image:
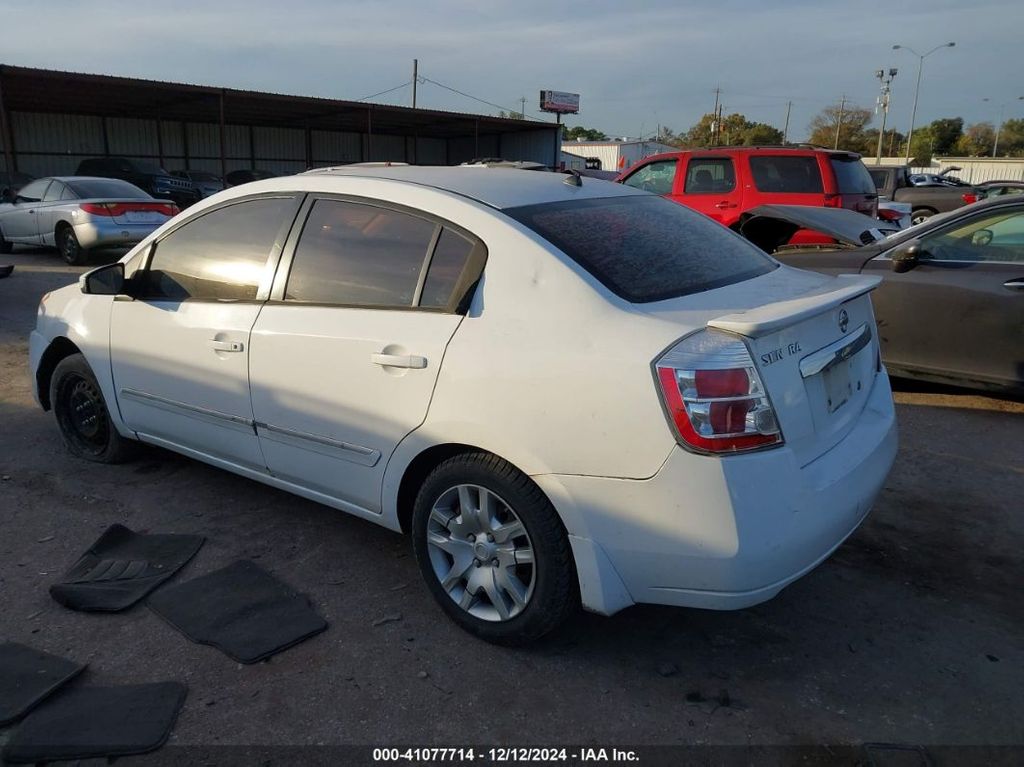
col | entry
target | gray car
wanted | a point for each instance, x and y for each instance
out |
(206, 183)
(77, 214)
(951, 302)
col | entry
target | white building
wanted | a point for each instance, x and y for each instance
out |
(610, 155)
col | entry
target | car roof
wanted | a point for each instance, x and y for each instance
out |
(496, 187)
(104, 179)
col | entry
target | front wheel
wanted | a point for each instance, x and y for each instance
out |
(82, 415)
(5, 245)
(493, 550)
(67, 243)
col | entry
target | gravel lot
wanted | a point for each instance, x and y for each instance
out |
(912, 633)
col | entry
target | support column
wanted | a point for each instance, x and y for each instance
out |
(223, 157)
(7, 131)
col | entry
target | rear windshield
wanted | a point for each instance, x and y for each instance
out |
(786, 174)
(107, 187)
(851, 176)
(645, 248)
(879, 178)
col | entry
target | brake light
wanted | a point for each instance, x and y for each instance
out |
(833, 200)
(969, 197)
(714, 397)
(114, 209)
(886, 214)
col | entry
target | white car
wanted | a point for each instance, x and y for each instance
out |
(565, 391)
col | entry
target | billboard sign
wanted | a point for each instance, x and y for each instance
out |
(560, 102)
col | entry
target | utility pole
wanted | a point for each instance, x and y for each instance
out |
(883, 103)
(785, 131)
(522, 107)
(715, 127)
(415, 79)
(839, 122)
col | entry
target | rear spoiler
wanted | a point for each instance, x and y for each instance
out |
(772, 317)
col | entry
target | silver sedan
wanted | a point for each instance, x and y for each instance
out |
(77, 214)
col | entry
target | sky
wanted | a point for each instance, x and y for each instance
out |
(636, 65)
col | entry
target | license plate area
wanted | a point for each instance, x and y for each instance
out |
(839, 385)
(142, 217)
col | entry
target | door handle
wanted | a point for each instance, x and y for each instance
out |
(226, 346)
(1014, 284)
(725, 204)
(399, 360)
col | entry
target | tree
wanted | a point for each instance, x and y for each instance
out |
(851, 132)
(1011, 138)
(707, 131)
(579, 132)
(511, 115)
(760, 134)
(977, 140)
(945, 133)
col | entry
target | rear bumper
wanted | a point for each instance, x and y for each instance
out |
(94, 234)
(723, 533)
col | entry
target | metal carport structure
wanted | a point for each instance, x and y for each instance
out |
(51, 120)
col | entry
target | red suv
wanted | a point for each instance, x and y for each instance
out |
(723, 182)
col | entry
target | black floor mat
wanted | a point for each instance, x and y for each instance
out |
(241, 609)
(121, 568)
(27, 676)
(92, 722)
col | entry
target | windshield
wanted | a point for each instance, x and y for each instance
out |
(95, 188)
(198, 175)
(149, 167)
(645, 248)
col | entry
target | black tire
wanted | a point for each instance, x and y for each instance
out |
(920, 214)
(5, 246)
(82, 416)
(67, 243)
(555, 591)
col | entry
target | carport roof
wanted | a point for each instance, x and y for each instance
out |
(26, 89)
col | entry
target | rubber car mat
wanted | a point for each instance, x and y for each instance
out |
(240, 609)
(27, 676)
(89, 722)
(122, 567)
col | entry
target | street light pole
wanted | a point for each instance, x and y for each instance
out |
(886, 90)
(999, 127)
(917, 89)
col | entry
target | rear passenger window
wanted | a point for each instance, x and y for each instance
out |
(221, 255)
(448, 269)
(353, 254)
(710, 175)
(654, 177)
(793, 175)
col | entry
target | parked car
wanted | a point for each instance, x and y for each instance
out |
(237, 177)
(951, 302)
(206, 183)
(692, 426)
(724, 182)
(148, 176)
(10, 183)
(893, 183)
(938, 179)
(897, 213)
(992, 189)
(78, 214)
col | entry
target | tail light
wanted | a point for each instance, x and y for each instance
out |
(714, 397)
(969, 197)
(886, 214)
(833, 200)
(114, 209)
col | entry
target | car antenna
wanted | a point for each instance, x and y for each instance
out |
(574, 178)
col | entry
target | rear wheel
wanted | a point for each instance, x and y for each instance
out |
(492, 550)
(67, 244)
(920, 215)
(82, 415)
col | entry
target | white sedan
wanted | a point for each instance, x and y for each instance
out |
(566, 391)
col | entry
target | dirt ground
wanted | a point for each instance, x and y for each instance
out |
(912, 633)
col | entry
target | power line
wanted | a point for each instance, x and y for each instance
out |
(389, 90)
(467, 95)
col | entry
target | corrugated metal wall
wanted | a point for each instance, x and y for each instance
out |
(50, 145)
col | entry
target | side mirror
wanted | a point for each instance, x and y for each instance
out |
(107, 280)
(906, 257)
